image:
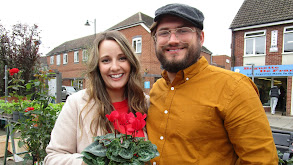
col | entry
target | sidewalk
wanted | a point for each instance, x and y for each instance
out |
(278, 121)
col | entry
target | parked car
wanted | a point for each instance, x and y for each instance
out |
(67, 91)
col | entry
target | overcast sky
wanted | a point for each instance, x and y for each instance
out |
(63, 20)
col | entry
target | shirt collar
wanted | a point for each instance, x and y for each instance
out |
(188, 73)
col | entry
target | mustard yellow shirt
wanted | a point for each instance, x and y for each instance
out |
(209, 116)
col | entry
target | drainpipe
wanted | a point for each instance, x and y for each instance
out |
(233, 51)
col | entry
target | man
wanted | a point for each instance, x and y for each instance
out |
(274, 94)
(201, 114)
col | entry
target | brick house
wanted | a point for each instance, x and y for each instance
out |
(262, 48)
(69, 58)
(222, 61)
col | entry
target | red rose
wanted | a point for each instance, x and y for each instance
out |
(29, 109)
(13, 71)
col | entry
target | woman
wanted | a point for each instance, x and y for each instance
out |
(114, 84)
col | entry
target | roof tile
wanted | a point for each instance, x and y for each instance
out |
(256, 12)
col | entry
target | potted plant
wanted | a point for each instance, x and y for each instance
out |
(39, 115)
(123, 149)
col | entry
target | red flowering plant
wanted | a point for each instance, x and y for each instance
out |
(16, 86)
(38, 113)
(123, 148)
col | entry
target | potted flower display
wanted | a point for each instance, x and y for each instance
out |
(114, 148)
(32, 101)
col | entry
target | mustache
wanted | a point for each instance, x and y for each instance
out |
(182, 45)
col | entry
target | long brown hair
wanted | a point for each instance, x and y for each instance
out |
(97, 90)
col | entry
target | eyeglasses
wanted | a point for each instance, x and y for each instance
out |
(183, 34)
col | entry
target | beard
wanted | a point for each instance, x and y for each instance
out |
(173, 66)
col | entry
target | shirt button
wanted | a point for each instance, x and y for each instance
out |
(154, 163)
(165, 111)
(187, 79)
(172, 88)
(161, 137)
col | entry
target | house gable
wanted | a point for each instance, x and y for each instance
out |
(258, 12)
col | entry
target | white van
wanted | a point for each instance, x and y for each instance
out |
(67, 91)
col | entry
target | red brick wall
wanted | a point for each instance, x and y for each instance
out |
(221, 61)
(272, 58)
(238, 48)
(207, 56)
(71, 69)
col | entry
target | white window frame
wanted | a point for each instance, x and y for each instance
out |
(85, 55)
(65, 58)
(77, 83)
(76, 58)
(58, 59)
(52, 60)
(137, 44)
(287, 32)
(252, 36)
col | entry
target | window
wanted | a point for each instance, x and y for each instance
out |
(58, 59)
(288, 39)
(52, 60)
(255, 43)
(65, 58)
(85, 55)
(77, 84)
(136, 43)
(76, 58)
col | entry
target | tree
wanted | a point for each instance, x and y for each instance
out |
(19, 49)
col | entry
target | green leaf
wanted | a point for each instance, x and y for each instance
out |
(147, 151)
(20, 143)
(96, 148)
(28, 86)
(126, 143)
(114, 147)
(88, 161)
(127, 153)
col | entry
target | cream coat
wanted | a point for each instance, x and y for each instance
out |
(66, 141)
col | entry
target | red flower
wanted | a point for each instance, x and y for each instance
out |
(125, 118)
(139, 122)
(13, 71)
(113, 116)
(29, 109)
(140, 116)
(127, 123)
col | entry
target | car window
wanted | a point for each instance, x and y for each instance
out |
(71, 89)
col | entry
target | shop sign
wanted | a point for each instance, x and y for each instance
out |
(266, 71)
(147, 84)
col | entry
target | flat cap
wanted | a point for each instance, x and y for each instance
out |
(186, 12)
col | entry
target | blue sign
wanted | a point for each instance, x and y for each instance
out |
(266, 71)
(147, 85)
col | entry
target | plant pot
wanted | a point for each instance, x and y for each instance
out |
(21, 116)
(15, 115)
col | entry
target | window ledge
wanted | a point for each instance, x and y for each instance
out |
(290, 53)
(258, 55)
